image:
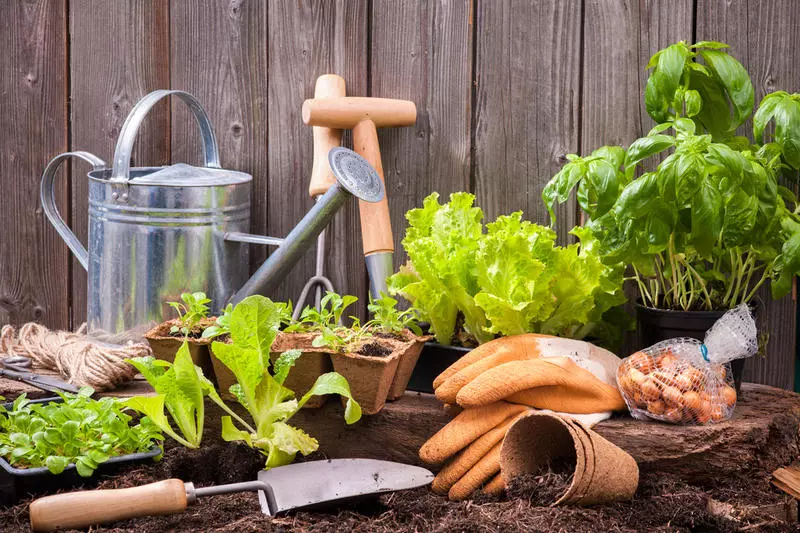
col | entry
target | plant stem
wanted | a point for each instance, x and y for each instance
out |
(702, 286)
(670, 252)
(646, 299)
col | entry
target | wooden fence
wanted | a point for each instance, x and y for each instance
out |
(504, 89)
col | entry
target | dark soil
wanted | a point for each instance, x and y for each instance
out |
(660, 504)
(392, 335)
(374, 349)
(545, 487)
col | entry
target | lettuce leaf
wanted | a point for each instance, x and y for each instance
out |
(254, 325)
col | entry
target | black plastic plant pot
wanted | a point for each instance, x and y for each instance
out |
(432, 362)
(19, 483)
(656, 325)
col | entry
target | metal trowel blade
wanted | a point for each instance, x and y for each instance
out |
(315, 482)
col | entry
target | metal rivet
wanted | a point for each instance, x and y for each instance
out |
(124, 197)
(114, 195)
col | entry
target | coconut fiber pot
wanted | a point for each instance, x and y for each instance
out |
(309, 366)
(165, 346)
(408, 357)
(370, 376)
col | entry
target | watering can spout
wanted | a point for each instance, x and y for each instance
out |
(355, 177)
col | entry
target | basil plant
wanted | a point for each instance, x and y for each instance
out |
(697, 213)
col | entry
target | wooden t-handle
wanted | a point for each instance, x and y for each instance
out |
(376, 226)
(84, 508)
(328, 86)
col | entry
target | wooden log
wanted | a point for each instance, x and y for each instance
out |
(763, 434)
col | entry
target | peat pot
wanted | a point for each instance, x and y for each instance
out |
(655, 325)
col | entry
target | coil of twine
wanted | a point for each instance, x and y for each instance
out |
(79, 359)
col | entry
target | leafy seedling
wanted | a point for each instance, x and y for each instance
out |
(191, 311)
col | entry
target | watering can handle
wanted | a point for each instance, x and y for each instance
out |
(127, 136)
(47, 196)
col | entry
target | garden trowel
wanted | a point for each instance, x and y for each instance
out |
(279, 489)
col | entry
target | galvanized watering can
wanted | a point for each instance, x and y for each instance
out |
(155, 232)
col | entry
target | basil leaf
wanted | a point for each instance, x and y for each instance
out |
(764, 113)
(715, 114)
(645, 147)
(706, 205)
(638, 197)
(739, 219)
(733, 76)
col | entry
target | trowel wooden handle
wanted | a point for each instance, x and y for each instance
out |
(346, 112)
(328, 86)
(376, 226)
(84, 508)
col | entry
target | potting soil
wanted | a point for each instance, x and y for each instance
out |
(544, 487)
(660, 504)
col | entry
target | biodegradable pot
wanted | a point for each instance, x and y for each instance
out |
(164, 346)
(656, 325)
(409, 355)
(309, 366)
(20, 483)
(370, 377)
(433, 360)
(603, 472)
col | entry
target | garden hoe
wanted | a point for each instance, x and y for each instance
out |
(279, 489)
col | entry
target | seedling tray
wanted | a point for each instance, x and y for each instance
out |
(19, 483)
(433, 360)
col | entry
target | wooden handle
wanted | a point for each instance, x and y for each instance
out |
(376, 226)
(84, 508)
(346, 112)
(328, 86)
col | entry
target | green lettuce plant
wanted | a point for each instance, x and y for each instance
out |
(76, 430)
(180, 389)
(255, 322)
(387, 318)
(710, 225)
(511, 278)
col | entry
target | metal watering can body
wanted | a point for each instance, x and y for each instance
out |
(157, 232)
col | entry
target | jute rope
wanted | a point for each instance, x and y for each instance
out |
(79, 359)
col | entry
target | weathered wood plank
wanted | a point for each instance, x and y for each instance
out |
(422, 51)
(308, 39)
(218, 52)
(34, 270)
(527, 103)
(619, 38)
(763, 37)
(119, 53)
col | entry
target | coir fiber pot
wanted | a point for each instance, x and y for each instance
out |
(601, 471)
(370, 377)
(656, 325)
(409, 356)
(20, 483)
(433, 360)
(164, 346)
(309, 366)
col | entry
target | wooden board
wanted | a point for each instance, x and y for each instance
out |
(526, 109)
(119, 52)
(218, 52)
(761, 34)
(34, 274)
(422, 51)
(308, 39)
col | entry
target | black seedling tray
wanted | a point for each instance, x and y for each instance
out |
(432, 362)
(18, 483)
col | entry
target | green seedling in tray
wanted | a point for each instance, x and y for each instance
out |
(191, 311)
(77, 430)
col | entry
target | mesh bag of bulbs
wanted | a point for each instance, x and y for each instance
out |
(685, 381)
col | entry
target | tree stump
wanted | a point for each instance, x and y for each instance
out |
(763, 434)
